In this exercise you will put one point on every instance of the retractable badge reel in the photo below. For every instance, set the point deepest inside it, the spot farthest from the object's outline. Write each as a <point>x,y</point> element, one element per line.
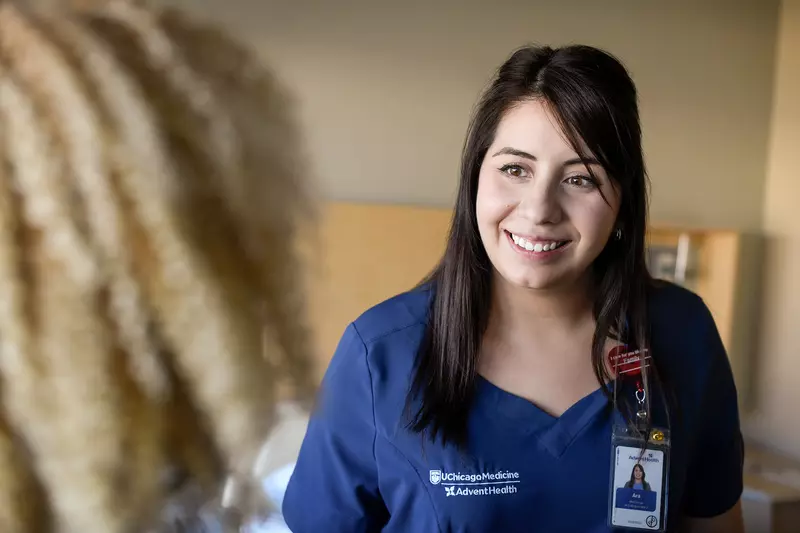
<point>640,457</point>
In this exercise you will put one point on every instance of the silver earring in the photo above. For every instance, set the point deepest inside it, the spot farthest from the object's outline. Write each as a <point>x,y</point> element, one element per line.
<point>618,234</point>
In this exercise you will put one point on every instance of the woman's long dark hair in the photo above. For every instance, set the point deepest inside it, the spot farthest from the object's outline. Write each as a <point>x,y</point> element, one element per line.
<point>594,99</point>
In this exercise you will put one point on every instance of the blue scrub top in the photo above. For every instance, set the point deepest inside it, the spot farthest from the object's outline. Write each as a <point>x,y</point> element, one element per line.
<point>361,470</point>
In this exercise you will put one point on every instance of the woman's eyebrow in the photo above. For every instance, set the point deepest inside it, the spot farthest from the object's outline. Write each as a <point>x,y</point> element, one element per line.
<point>508,150</point>
<point>578,161</point>
<point>514,151</point>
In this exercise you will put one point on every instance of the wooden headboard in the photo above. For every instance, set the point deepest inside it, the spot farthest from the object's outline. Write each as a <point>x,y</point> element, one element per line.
<point>369,252</point>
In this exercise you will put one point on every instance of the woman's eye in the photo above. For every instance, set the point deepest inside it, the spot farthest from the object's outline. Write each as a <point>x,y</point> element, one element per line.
<point>515,171</point>
<point>581,181</point>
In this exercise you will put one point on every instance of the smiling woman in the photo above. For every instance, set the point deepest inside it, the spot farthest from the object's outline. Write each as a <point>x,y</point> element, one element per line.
<point>504,359</point>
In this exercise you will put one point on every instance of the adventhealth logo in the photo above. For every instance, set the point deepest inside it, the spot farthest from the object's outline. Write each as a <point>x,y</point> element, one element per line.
<point>648,459</point>
<point>483,484</point>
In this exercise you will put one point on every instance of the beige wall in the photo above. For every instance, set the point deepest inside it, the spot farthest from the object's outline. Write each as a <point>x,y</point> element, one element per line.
<point>386,88</point>
<point>777,420</point>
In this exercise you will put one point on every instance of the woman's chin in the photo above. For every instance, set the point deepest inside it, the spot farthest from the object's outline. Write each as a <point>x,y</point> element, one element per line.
<point>535,282</point>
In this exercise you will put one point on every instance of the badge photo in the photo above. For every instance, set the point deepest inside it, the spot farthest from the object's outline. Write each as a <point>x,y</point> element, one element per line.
<point>638,488</point>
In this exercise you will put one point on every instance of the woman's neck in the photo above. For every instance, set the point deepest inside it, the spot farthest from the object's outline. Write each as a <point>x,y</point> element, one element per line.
<point>537,313</point>
<point>537,345</point>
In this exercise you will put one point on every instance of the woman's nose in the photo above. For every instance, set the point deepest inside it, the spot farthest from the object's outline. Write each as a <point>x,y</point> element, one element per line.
<point>540,203</point>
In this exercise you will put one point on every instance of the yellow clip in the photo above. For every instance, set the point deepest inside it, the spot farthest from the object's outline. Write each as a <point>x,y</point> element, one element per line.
<point>657,435</point>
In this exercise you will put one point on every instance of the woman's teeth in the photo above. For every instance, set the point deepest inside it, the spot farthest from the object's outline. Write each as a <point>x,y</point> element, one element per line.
<point>536,247</point>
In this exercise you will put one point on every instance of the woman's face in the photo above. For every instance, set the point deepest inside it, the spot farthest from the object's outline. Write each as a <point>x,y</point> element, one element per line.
<point>541,216</point>
<point>638,473</point>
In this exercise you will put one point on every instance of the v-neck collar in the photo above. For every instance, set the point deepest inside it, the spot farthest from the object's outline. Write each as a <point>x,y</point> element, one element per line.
<point>554,433</point>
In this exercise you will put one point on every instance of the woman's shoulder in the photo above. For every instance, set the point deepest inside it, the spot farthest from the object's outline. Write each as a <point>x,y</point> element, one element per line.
<point>685,339</point>
<point>673,308</point>
<point>683,334</point>
<point>375,358</point>
<point>394,315</point>
<point>666,294</point>
<point>383,341</point>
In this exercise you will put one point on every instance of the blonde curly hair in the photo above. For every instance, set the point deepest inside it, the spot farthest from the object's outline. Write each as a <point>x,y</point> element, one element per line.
<point>149,202</point>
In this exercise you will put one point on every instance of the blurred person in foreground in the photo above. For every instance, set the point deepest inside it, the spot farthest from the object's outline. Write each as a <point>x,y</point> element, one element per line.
<point>149,196</point>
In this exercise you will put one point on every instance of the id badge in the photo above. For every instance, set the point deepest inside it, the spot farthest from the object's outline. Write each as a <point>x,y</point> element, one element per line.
<point>639,481</point>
